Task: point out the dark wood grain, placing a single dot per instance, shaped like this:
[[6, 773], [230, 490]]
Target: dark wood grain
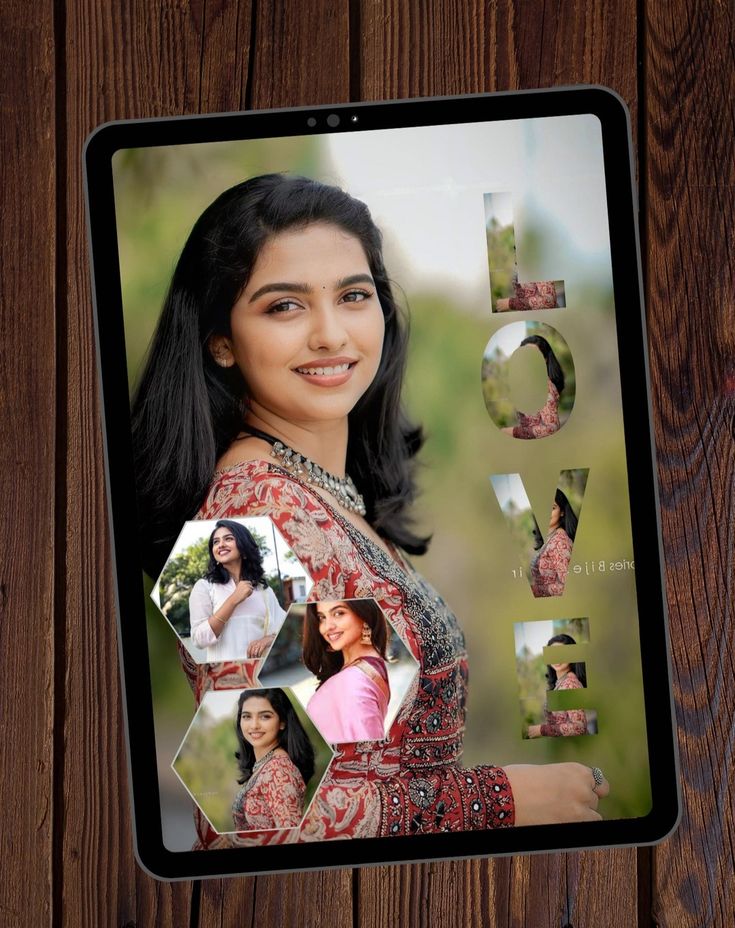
[[690, 87], [28, 707], [68, 853], [101, 883], [300, 53], [416, 48], [121, 62]]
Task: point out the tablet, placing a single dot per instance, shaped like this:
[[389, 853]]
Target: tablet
[[381, 482]]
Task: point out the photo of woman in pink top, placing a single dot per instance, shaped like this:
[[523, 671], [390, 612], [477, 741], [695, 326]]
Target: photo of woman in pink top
[[345, 648]]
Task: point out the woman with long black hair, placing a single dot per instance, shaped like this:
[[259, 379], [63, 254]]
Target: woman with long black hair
[[275, 760], [550, 565], [546, 420], [233, 612], [345, 648], [273, 387]]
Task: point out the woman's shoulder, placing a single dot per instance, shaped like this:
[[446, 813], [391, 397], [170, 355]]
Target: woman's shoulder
[[570, 682], [560, 541], [201, 586], [253, 487], [357, 675], [282, 764], [371, 664]]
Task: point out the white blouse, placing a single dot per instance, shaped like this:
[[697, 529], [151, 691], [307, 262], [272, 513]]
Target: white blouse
[[255, 617]]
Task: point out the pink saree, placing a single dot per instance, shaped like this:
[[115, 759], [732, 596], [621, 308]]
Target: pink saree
[[351, 705]]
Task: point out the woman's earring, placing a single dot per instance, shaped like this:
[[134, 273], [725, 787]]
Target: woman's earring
[[367, 635]]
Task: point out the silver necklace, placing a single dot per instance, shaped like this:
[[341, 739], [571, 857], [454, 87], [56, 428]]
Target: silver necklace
[[342, 488], [259, 763]]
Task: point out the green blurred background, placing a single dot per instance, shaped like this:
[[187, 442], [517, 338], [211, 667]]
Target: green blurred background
[[555, 173]]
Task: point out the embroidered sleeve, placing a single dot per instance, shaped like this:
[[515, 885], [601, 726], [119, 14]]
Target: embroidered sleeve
[[562, 724], [540, 295], [200, 611], [455, 799]]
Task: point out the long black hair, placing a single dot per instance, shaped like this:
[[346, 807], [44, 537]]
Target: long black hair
[[293, 739], [324, 663], [577, 668], [251, 560], [553, 368], [568, 519], [187, 409]]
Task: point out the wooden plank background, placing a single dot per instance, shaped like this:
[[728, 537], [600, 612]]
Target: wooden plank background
[[69, 65]]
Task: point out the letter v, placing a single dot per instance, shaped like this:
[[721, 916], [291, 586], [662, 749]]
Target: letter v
[[547, 558]]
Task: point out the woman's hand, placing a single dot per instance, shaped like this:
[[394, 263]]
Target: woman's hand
[[258, 647], [534, 731], [551, 793], [243, 589]]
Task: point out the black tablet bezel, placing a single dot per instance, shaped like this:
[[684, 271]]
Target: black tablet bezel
[[621, 204]]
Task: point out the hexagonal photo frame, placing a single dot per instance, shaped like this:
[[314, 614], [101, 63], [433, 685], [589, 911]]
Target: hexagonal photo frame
[[346, 664], [252, 760], [226, 586]]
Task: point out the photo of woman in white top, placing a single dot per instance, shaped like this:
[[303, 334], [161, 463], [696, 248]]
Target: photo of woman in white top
[[234, 614]]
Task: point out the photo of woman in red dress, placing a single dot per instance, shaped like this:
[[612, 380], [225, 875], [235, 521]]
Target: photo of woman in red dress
[[275, 760]]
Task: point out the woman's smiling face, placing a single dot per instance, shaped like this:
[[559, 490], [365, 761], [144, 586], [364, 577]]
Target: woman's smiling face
[[307, 331], [260, 724], [560, 669], [338, 625], [224, 547]]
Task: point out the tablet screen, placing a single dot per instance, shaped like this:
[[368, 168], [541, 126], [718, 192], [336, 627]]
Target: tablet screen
[[391, 453]]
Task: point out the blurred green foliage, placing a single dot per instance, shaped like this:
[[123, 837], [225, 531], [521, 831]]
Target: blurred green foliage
[[177, 580], [572, 483], [501, 255], [524, 531]]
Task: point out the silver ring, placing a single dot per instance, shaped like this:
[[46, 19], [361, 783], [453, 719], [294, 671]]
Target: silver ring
[[599, 776]]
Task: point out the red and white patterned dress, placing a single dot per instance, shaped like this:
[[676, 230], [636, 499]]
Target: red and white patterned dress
[[542, 423], [569, 722], [273, 797], [411, 782], [537, 295], [550, 566]]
